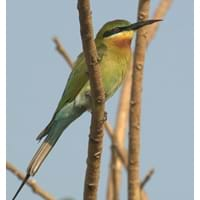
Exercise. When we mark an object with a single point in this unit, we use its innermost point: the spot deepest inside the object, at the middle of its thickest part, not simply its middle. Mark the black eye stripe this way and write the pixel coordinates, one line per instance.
(113, 31)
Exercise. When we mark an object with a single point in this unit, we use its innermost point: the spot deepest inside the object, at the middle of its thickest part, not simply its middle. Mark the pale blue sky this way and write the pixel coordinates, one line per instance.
(36, 76)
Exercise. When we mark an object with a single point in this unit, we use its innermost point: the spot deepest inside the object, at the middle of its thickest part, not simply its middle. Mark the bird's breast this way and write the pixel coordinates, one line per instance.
(114, 68)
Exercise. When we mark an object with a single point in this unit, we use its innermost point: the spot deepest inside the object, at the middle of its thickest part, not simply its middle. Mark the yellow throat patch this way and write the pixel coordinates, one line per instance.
(121, 40)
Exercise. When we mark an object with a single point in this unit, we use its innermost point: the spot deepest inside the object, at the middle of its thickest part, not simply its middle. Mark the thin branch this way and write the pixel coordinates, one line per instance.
(98, 98)
(62, 51)
(119, 155)
(31, 182)
(135, 106)
(160, 12)
(146, 178)
(119, 135)
(121, 151)
(109, 192)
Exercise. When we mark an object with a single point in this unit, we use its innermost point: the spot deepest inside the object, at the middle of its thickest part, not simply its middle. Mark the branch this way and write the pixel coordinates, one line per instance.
(160, 12)
(119, 135)
(98, 98)
(31, 182)
(62, 51)
(121, 151)
(135, 106)
(146, 178)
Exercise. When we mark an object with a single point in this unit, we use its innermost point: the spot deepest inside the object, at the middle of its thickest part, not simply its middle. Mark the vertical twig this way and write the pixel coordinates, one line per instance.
(98, 99)
(121, 151)
(119, 140)
(159, 13)
(135, 106)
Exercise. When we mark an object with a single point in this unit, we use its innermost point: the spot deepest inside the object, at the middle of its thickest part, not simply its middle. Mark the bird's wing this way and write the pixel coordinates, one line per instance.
(77, 78)
(76, 81)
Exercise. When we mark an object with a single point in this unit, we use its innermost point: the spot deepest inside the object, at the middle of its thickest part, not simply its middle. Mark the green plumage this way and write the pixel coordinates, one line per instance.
(114, 64)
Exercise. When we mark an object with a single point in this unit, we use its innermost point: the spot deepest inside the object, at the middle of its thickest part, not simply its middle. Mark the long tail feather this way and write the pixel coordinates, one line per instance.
(21, 186)
(52, 133)
(45, 148)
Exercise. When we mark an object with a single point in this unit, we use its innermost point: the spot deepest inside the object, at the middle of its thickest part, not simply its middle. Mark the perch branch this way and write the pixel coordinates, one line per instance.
(98, 99)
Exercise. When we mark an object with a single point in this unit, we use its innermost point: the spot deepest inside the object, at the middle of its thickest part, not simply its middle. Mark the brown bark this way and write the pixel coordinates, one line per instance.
(97, 98)
(135, 105)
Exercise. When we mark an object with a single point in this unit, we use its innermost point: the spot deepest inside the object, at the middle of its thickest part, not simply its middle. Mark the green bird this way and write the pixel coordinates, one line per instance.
(113, 43)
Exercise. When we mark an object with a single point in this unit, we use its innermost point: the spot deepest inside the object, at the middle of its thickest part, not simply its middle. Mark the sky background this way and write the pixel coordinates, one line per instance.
(37, 74)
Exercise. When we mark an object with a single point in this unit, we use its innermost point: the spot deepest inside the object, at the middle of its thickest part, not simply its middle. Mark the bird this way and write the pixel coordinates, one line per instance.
(113, 44)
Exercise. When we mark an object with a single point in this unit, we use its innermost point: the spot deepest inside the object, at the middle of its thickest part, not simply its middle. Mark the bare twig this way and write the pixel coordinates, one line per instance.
(109, 193)
(160, 12)
(119, 134)
(146, 178)
(121, 151)
(135, 106)
(31, 182)
(98, 99)
(62, 51)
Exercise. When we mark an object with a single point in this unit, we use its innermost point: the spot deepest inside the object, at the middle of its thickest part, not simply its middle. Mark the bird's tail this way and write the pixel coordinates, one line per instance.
(52, 133)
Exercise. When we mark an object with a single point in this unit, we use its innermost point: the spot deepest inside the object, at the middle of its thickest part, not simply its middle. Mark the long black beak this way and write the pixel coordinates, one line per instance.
(140, 24)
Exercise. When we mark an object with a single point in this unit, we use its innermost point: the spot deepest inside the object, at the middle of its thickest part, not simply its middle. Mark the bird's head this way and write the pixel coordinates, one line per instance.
(120, 32)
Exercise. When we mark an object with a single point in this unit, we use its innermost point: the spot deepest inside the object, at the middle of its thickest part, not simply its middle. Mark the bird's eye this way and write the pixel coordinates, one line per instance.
(111, 32)
(116, 30)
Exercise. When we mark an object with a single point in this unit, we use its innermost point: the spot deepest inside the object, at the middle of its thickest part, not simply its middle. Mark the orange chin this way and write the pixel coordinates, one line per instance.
(121, 43)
